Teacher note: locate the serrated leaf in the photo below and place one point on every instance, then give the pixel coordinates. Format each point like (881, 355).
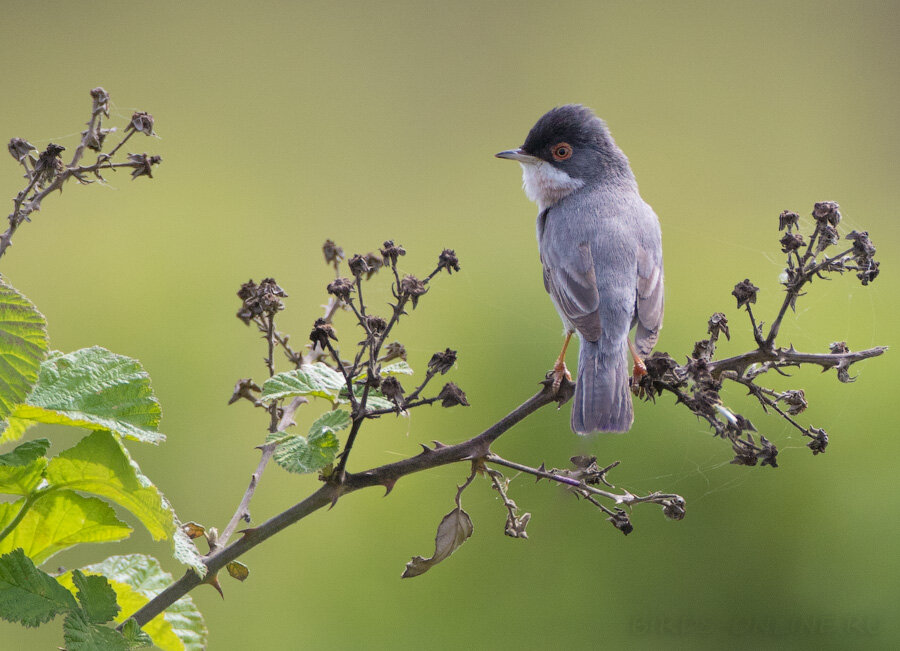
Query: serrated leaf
(397, 368)
(97, 598)
(14, 428)
(81, 634)
(58, 520)
(316, 380)
(303, 454)
(100, 465)
(22, 480)
(28, 595)
(238, 570)
(137, 579)
(135, 637)
(453, 531)
(25, 453)
(375, 399)
(23, 344)
(185, 551)
(97, 389)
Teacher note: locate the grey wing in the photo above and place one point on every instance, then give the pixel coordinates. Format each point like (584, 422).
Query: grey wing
(649, 296)
(572, 283)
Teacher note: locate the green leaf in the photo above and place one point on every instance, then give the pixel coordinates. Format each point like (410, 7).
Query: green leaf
(97, 598)
(185, 551)
(81, 634)
(57, 520)
(310, 453)
(316, 380)
(97, 389)
(22, 480)
(397, 368)
(137, 579)
(135, 637)
(28, 595)
(238, 570)
(25, 453)
(23, 344)
(100, 465)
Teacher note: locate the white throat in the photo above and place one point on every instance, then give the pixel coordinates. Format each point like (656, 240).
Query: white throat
(545, 184)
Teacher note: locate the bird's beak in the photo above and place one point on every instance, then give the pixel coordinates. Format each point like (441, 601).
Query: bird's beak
(518, 155)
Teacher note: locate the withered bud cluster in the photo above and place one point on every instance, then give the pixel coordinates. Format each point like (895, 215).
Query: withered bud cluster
(322, 331)
(791, 242)
(101, 101)
(718, 324)
(143, 164)
(394, 350)
(49, 164)
(795, 400)
(827, 212)
(391, 252)
(838, 347)
(358, 265)
(748, 455)
(258, 299)
(863, 251)
(745, 292)
(375, 324)
(819, 440)
(333, 253)
(620, 521)
(413, 288)
(789, 220)
(245, 388)
(441, 362)
(451, 395)
(20, 149)
(448, 260)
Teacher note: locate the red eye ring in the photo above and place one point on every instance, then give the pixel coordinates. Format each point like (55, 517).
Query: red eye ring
(561, 151)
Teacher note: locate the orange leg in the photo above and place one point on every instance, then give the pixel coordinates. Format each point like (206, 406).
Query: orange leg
(640, 370)
(559, 368)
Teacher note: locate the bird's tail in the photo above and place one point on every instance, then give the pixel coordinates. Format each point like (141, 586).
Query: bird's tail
(602, 392)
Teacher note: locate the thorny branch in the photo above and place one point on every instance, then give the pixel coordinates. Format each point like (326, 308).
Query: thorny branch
(46, 172)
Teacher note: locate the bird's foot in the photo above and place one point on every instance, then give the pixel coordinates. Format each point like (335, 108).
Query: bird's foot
(559, 372)
(640, 370)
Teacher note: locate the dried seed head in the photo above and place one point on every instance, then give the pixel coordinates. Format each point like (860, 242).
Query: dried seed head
(143, 164)
(375, 263)
(828, 236)
(827, 211)
(838, 347)
(442, 362)
(393, 391)
(19, 148)
(767, 455)
(703, 349)
(391, 252)
(819, 441)
(322, 331)
(869, 272)
(718, 324)
(358, 265)
(94, 139)
(101, 101)
(791, 242)
(674, 508)
(795, 400)
(621, 522)
(375, 324)
(788, 219)
(448, 260)
(451, 395)
(141, 122)
(745, 292)
(413, 288)
(862, 245)
(333, 253)
(341, 287)
(394, 350)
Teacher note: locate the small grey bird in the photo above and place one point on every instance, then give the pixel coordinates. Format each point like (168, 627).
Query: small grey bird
(601, 248)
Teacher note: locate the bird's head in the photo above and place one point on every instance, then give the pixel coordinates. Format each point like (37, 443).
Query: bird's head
(567, 149)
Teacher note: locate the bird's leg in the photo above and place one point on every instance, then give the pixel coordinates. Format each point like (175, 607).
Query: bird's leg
(559, 369)
(640, 370)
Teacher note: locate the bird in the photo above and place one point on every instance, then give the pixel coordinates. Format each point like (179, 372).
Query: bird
(601, 249)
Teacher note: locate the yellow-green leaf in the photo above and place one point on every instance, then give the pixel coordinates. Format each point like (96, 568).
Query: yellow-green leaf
(23, 344)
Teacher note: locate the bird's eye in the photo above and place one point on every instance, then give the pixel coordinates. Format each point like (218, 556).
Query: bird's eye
(562, 151)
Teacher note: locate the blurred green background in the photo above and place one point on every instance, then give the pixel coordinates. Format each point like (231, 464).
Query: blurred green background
(283, 124)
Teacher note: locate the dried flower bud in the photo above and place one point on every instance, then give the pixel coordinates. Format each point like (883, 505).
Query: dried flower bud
(869, 272)
(392, 351)
(838, 347)
(791, 242)
(391, 252)
(393, 391)
(862, 245)
(375, 263)
(718, 324)
(674, 508)
(143, 164)
(448, 260)
(141, 122)
(451, 395)
(795, 400)
(819, 441)
(94, 139)
(49, 164)
(621, 522)
(788, 220)
(827, 211)
(101, 101)
(413, 288)
(358, 265)
(19, 148)
(375, 324)
(828, 236)
(269, 295)
(244, 389)
(442, 362)
(333, 253)
(341, 287)
(767, 455)
(322, 331)
(703, 349)
(745, 292)
(743, 454)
